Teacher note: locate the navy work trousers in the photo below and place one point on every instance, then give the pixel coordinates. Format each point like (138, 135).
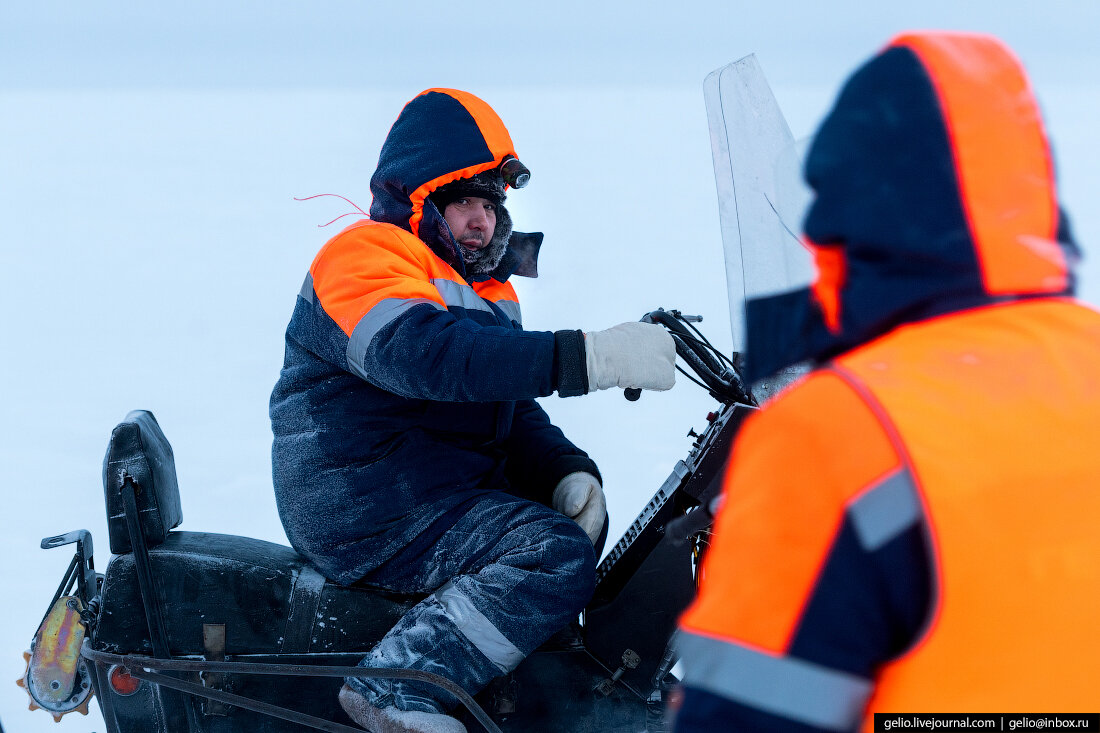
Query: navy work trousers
(504, 577)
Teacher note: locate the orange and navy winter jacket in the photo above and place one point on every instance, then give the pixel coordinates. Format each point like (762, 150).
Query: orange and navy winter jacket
(911, 527)
(408, 389)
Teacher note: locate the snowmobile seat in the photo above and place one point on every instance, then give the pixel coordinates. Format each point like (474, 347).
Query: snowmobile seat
(139, 453)
(268, 597)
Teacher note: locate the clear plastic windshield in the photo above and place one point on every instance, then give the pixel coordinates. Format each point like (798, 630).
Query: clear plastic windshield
(761, 196)
(793, 195)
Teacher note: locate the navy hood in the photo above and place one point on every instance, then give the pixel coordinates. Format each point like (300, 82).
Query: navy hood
(440, 136)
(934, 192)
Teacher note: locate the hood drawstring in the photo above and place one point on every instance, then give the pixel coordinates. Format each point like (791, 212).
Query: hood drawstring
(350, 213)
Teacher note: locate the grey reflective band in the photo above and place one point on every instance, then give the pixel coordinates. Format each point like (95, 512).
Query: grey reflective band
(511, 309)
(478, 629)
(790, 688)
(460, 294)
(307, 288)
(374, 321)
(886, 510)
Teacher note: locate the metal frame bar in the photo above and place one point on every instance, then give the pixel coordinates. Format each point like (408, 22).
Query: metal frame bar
(158, 635)
(227, 698)
(81, 571)
(146, 668)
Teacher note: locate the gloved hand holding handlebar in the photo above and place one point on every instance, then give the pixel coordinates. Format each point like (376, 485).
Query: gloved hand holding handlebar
(722, 380)
(633, 393)
(632, 354)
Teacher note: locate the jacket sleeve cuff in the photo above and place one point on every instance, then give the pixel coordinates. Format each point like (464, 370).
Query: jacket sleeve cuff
(570, 368)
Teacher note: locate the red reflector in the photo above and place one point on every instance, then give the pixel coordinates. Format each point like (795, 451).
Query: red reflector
(122, 682)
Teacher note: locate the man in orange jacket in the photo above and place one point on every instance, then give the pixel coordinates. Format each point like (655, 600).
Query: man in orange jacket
(410, 452)
(911, 528)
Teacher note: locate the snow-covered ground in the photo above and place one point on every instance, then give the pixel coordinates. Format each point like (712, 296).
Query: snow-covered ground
(152, 249)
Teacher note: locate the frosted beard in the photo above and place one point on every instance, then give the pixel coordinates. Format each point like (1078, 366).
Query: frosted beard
(485, 260)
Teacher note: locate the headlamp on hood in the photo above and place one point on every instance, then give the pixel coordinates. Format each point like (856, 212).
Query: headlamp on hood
(514, 173)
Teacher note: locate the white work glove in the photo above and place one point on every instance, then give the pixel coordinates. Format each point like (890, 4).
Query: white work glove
(633, 354)
(579, 496)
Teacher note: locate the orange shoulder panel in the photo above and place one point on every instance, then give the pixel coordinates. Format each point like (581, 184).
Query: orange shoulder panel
(369, 262)
(495, 290)
(1002, 159)
(795, 467)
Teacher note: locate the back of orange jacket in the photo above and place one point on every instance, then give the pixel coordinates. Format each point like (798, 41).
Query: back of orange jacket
(909, 529)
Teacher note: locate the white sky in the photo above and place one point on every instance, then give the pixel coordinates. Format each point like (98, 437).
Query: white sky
(152, 249)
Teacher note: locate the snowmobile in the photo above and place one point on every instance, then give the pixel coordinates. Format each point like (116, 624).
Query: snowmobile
(210, 633)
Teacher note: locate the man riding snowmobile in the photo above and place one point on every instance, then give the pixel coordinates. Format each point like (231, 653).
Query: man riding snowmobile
(409, 451)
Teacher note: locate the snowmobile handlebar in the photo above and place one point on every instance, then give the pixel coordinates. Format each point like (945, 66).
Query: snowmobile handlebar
(717, 373)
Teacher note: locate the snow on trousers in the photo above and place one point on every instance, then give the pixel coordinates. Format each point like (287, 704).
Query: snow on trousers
(503, 578)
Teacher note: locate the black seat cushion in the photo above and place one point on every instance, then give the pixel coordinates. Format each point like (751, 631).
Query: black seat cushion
(269, 598)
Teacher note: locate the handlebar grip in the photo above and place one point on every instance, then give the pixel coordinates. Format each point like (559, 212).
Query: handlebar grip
(633, 393)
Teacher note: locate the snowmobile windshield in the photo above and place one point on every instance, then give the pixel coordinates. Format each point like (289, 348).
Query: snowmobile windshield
(761, 196)
(793, 196)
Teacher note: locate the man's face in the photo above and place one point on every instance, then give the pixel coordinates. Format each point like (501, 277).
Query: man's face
(472, 221)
